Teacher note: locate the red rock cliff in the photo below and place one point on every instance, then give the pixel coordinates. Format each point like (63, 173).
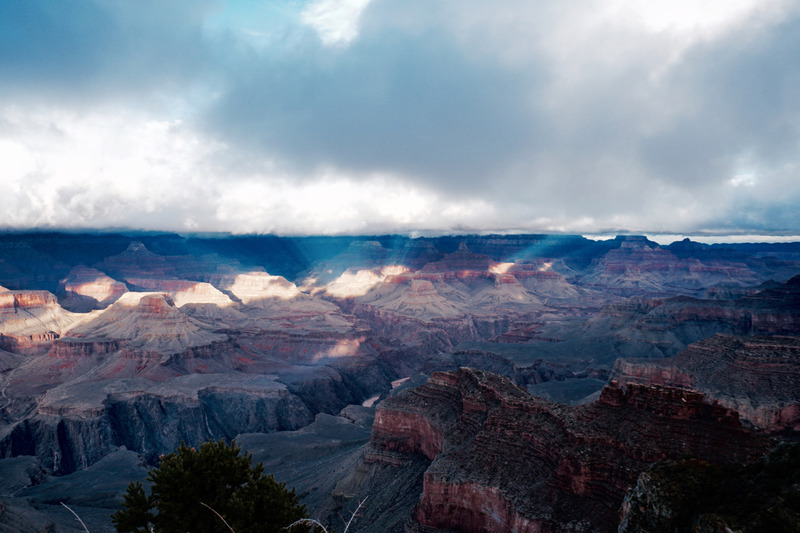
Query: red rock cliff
(503, 460)
(759, 377)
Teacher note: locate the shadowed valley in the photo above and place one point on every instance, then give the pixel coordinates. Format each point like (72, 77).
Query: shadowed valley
(472, 383)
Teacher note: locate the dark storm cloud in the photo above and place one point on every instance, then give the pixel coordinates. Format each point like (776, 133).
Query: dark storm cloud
(415, 99)
(742, 102)
(412, 104)
(84, 50)
(743, 125)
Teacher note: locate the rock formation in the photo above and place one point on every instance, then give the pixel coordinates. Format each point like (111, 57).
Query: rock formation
(759, 377)
(184, 292)
(692, 495)
(145, 374)
(31, 320)
(85, 289)
(502, 460)
(77, 424)
(642, 266)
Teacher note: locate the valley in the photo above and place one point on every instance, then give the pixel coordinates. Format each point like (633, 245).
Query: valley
(420, 373)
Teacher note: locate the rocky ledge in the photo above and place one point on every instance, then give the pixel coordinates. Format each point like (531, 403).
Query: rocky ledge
(759, 377)
(503, 460)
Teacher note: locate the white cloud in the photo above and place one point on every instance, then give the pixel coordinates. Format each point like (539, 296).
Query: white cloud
(97, 169)
(743, 180)
(707, 18)
(116, 168)
(334, 203)
(18, 165)
(336, 21)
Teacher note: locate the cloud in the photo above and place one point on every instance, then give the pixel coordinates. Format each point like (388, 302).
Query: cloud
(393, 104)
(336, 21)
(131, 170)
(96, 170)
(402, 115)
(92, 51)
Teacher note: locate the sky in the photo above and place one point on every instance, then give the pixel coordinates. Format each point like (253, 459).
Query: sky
(401, 116)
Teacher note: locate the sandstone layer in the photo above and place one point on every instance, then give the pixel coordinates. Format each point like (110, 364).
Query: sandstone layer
(502, 460)
(759, 377)
(86, 288)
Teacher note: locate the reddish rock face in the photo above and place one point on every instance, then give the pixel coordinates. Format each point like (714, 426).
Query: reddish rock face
(10, 301)
(508, 461)
(68, 348)
(670, 402)
(642, 264)
(759, 377)
(29, 320)
(460, 260)
(91, 285)
(156, 304)
(407, 433)
(481, 508)
(26, 343)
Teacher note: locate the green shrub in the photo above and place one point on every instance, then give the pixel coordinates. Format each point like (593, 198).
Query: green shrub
(218, 476)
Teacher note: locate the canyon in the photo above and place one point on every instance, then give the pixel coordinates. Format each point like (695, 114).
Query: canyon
(545, 374)
(503, 460)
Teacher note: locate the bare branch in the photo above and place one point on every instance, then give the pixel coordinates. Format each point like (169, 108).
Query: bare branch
(354, 514)
(317, 523)
(306, 521)
(76, 516)
(219, 515)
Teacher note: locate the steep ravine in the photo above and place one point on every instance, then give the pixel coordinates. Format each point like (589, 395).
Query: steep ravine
(76, 428)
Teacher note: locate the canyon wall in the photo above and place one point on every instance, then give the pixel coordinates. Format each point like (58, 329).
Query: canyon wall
(502, 460)
(759, 376)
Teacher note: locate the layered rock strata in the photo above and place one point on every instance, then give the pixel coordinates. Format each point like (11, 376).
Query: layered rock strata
(85, 289)
(31, 320)
(502, 460)
(640, 266)
(759, 377)
(74, 426)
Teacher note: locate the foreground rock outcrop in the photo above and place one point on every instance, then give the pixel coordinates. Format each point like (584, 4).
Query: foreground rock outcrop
(691, 495)
(502, 460)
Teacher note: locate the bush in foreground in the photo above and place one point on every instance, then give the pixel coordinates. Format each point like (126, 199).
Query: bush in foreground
(190, 485)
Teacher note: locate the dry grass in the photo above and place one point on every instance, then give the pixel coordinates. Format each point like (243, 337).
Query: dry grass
(76, 516)
(307, 521)
(311, 521)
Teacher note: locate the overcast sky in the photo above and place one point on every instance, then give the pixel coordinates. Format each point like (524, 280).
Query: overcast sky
(376, 116)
